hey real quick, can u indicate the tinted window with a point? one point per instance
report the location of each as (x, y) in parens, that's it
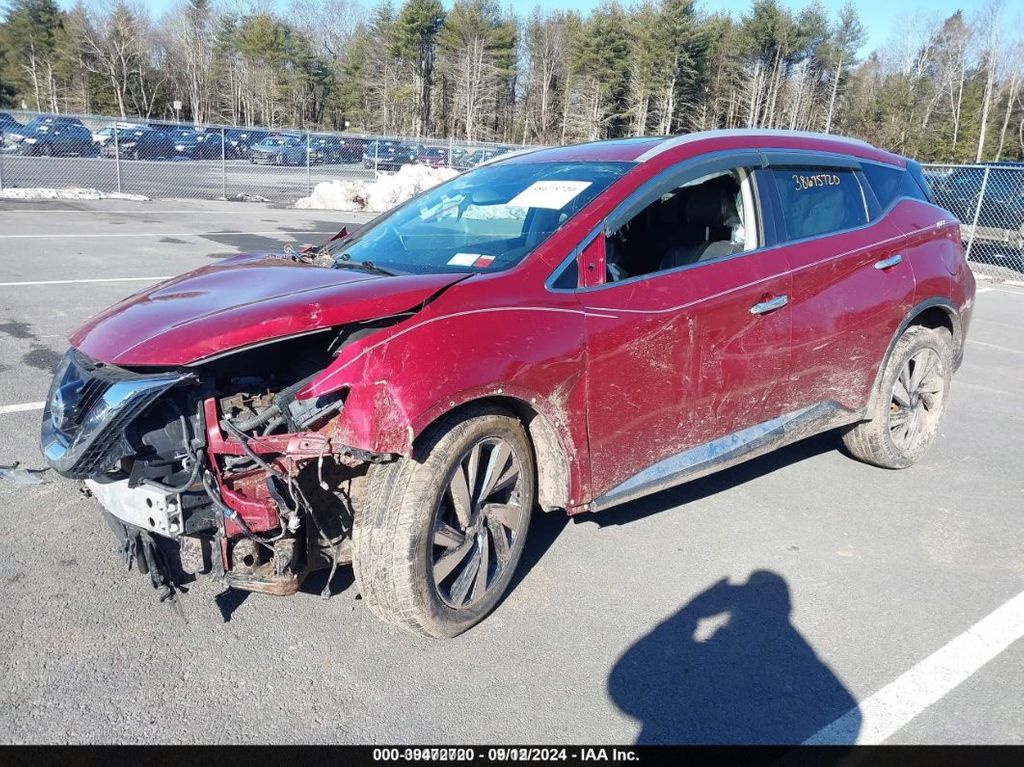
(818, 201)
(886, 182)
(568, 278)
(918, 189)
(890, 183)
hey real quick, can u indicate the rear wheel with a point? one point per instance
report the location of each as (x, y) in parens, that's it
(912, 401)
(439, 536)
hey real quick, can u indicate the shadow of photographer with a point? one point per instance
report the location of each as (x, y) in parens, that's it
(729, 667)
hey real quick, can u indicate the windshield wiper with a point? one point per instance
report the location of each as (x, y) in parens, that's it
(344, 261)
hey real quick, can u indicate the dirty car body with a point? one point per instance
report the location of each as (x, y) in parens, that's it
(565, 329)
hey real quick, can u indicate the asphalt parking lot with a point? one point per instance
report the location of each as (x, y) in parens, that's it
(800, 596)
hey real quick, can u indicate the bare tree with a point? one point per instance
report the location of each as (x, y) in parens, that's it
(328, 24)
(545, 63)
(989, 18)
(114, 38)
(847, 38)
(1015, 63)
(191, 32)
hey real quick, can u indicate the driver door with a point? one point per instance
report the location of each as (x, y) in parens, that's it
(682, 357)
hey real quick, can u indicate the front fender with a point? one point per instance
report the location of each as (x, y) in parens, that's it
(401, 379)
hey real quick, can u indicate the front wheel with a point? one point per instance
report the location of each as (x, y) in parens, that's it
(438, 538)
(912, 400)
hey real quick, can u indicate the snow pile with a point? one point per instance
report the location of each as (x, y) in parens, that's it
(43, 193)
(389, 190)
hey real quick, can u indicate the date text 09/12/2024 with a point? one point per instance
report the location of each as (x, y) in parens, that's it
(506, 754)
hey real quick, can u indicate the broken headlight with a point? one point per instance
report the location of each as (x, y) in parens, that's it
(88, 409)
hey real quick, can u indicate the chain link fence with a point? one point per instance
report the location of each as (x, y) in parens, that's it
(989, 201)
(175, 160)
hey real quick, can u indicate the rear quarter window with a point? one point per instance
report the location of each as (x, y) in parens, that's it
(890, 183)
(818, 201)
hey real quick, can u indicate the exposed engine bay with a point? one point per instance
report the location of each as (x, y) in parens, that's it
(216, 466)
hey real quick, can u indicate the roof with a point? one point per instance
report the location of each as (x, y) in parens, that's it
(647, 148)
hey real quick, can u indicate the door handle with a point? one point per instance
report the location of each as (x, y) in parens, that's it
(770, 305)
(890, 262)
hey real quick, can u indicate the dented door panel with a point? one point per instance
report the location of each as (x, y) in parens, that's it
(845, 311)
(678, 359)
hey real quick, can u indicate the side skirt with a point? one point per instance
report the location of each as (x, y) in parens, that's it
(727, 451)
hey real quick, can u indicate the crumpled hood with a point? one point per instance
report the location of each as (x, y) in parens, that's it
(241, 301)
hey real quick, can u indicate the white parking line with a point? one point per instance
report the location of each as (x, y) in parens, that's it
(23, 407)
(892, 707)
(75, 282)
(997, 347)
(151, 234)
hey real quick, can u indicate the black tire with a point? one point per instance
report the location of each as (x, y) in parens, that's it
(410, 506)
(46, 150)
(912, 400)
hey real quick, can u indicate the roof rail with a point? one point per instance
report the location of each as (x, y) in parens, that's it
(672, 142)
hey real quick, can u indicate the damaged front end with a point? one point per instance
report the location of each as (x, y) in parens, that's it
(215, 467)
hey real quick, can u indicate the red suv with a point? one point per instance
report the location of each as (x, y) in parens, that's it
(563, 329)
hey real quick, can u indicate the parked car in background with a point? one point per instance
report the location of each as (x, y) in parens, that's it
(473, 158)
(1000, 220)
(9, 125)
(353, 148)
(190, 144)
(140, 144)
(106, 133)
(52, 135)
(279, 150)
(563, 330)
(240, 140)
(325, 148)
(433, 157)
(388, 155)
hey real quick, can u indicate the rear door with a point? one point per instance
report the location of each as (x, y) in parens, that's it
(852, 281)
(682, 356)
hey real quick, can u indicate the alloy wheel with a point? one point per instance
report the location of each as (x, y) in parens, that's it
(476, 523)
(917, 396)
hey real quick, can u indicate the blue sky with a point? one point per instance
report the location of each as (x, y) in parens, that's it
(881, 18)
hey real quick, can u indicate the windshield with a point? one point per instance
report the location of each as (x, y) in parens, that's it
(485, 220)
(280, 142)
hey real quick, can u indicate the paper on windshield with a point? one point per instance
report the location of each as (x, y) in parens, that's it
(554, 195)
(478, 260)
